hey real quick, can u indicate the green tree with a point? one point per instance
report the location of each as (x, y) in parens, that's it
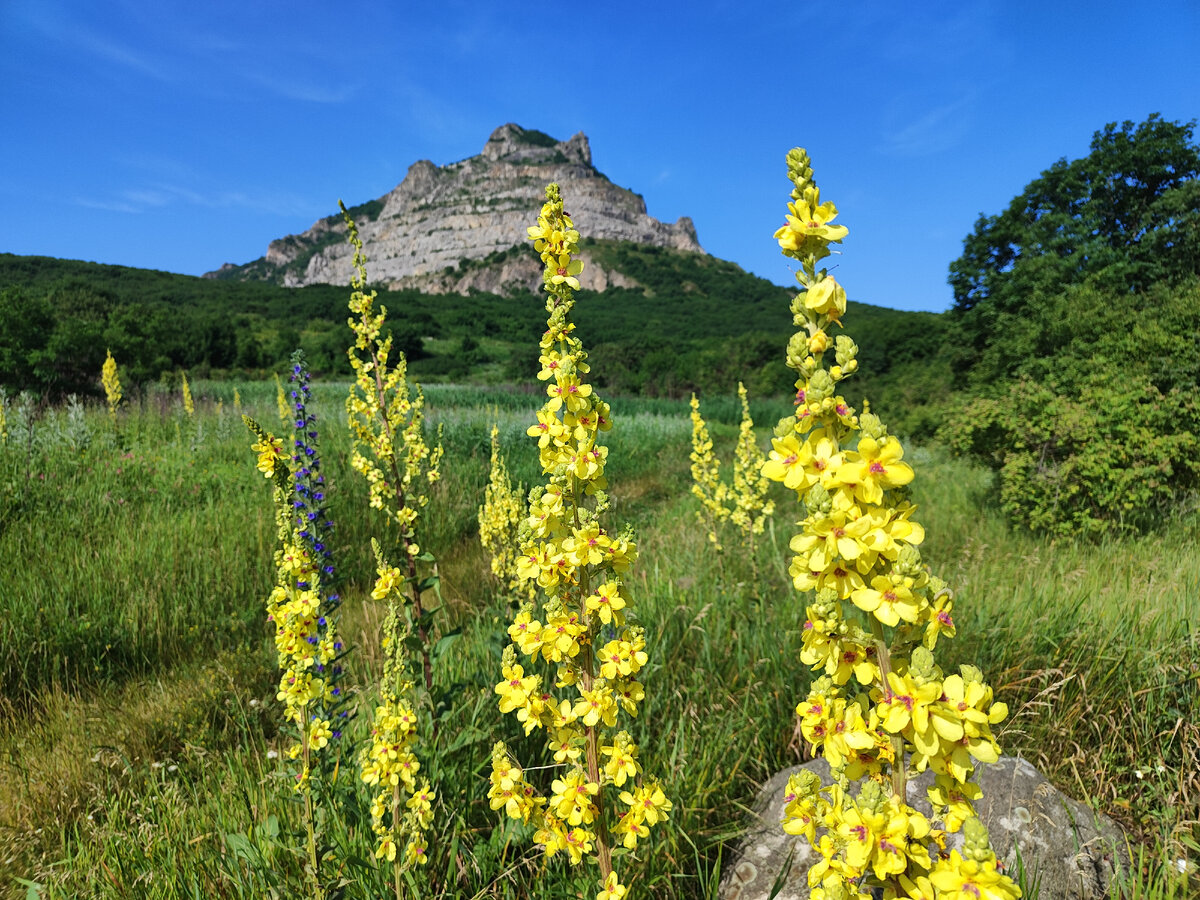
(25, 326)
(1124, 217)
(1076, 311)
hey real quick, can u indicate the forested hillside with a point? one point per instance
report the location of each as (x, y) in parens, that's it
(694, 323)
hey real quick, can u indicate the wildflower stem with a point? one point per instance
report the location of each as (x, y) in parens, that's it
(397, 863)
(885, 668)
(603, 851)
(314, 875)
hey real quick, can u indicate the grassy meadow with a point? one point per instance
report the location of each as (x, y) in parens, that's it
(139, 744)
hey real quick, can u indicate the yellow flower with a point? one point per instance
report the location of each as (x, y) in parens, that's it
(613, 889)
(956, 878)
(390, 578)
(622, 763)
(648, 803)
(807, 229)
(607, 603)
(889, 600)
(515, 689)
(572, 798)
(826, 298)
(270, 452)
(877, 468)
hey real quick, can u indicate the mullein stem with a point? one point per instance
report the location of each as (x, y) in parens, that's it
(591, 734)
(397, 864)
(309, 816)
(885, 669)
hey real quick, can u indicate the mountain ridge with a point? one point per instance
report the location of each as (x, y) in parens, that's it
(435, 228)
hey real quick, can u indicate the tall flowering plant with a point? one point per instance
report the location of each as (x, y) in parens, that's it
(743, 502)
(281, 400)
(750, 508)
(300, 606)
(500, 519)
(883, 709)
(111, 381)
(189, 406)
(584, 627)
(387, 420)
(707, 486)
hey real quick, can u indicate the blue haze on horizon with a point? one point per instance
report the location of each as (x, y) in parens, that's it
(180, 136)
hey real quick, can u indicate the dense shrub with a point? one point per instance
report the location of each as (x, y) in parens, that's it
(1100, 430)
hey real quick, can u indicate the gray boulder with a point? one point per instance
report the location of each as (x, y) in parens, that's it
(1069, 851)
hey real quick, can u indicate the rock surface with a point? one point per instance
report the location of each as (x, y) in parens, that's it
(1071, 852)
(417, 235)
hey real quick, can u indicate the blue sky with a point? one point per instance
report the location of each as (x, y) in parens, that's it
(181, 135)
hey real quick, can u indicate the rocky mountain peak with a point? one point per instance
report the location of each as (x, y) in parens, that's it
(419, 234)
(514, 144)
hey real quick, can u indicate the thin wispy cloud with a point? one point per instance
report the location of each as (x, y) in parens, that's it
(54, 25)
(152, 197)
(911, 130)
(122, 55)
(107, 205)
(302, 90)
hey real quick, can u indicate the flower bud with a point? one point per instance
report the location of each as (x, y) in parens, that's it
(818, 343)
(922, 668)
(970, 674)
(870, 426)
(976, 846)
(797, 350)
(819, 387)
(845, 350)
(871, 798)
(818, 501)
(908, 562)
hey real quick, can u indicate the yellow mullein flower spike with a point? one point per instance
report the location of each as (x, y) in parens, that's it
(500, 519)
(188, 406)
(706, 477)
(583, 626)
(112, 384)
(882, 705)
(392, 452)
(285, 414)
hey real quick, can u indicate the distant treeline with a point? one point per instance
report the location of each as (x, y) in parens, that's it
(695, 323)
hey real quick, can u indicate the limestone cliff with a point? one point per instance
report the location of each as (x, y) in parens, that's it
(453, 227)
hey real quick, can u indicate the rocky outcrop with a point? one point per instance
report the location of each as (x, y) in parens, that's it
(420, 234)
(1069, 851)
